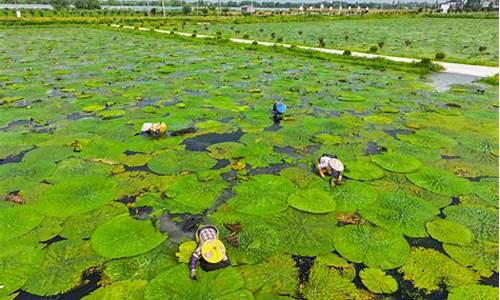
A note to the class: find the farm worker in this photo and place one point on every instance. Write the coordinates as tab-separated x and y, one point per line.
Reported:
279	108
332	166
154	129
210	252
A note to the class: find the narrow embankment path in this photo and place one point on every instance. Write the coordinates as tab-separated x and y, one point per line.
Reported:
472	70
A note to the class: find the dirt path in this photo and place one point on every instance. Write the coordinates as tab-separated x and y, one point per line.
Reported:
472	70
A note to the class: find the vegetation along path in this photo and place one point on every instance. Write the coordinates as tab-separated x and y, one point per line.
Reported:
465	69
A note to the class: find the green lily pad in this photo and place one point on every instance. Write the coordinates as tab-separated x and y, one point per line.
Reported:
376	281
386	250
123	236
327	282
186	249
19	260
397	163
74	196
223	284
428	139
112	114
145	266
190	195
126	289
81	226
400	213
262	194
449	232
353	195
17	220
480	256
473	292
62	268
275	276
312	201
440	182
172	162
363	170
93	108
427	269
481	221
351	98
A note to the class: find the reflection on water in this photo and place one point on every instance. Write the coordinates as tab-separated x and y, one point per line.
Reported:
443	81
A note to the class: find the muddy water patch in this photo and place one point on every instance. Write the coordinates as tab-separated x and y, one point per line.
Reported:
444	81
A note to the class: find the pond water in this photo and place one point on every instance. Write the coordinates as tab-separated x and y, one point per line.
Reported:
442	81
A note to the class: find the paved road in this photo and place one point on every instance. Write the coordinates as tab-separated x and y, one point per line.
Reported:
472	70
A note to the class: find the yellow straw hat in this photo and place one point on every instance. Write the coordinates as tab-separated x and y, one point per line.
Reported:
213	251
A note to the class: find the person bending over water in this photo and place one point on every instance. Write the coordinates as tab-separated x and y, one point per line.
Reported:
330	165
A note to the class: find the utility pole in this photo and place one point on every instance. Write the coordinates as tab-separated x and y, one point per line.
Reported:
163	9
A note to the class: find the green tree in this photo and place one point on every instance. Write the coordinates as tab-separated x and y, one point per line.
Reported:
59	4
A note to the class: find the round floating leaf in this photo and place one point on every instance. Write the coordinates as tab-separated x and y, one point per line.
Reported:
400	213
19	259
186	249
276	276
17	220
449	232
93	108
126	289
75	196
376	281
62	268
223	284
262	194
124	236
300	177
372	246
481	221
363	170
173	162
427	269
353	195
481	256
428	139
190	195
397	163
145	266
81	226
440	182
473	292
351	98
112	114
332	282
313	201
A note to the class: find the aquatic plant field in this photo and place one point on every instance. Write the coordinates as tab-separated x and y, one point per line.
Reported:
91	208
459	39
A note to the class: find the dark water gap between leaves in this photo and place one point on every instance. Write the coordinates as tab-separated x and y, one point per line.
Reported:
53	240
407	291
394	132
303	265
16	158
491	281
374	148
90	282
202	142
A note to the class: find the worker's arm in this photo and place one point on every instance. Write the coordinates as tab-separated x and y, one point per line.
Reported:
320	171
193	262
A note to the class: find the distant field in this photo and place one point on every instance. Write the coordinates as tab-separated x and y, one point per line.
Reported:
458	38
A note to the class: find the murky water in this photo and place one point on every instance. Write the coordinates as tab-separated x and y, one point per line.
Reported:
443	81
